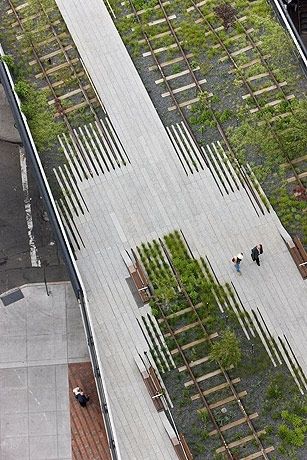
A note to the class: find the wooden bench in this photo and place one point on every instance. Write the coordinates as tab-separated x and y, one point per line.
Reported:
152	383
299	255
139	280
137	275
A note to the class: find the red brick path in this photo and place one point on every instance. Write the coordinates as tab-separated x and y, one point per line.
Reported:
88	435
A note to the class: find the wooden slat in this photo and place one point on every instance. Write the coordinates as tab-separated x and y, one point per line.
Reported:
194	363
180	312
293	179
184	88
187	103
160	21
50	55
78	106
205	377
249	64
259	454
265	90
214	389
222	402
228	426
56	68
175	75
239	442
273	103
193	344
60	82
185	328
70	94
173	61
160	50
140	12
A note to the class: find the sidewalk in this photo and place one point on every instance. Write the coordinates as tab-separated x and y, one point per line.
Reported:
39	336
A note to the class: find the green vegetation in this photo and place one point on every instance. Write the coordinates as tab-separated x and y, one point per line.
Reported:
290	413
187	293
40	116
268	138
227	350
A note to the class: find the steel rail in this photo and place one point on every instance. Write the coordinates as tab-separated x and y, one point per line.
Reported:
243	177
225	373
215	118
174	99
89	104
193	378
61	110
248	86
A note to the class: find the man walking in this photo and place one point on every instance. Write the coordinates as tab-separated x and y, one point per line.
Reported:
237	260
256	251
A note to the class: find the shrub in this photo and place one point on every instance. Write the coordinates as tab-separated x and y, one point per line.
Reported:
40	117
227	350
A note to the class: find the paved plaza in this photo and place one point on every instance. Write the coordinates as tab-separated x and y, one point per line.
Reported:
39	336
146	199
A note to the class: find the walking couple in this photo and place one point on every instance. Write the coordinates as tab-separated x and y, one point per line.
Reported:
255	253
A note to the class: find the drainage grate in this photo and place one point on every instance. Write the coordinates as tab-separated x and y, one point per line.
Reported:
12	297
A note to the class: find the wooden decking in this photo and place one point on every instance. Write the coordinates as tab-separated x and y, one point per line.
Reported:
299	256
88	435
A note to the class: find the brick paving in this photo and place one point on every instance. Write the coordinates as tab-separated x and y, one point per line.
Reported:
88	435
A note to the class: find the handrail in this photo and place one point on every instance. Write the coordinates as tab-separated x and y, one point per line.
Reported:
285	17
63	242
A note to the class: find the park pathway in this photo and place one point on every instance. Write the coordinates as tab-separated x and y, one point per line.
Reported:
148	197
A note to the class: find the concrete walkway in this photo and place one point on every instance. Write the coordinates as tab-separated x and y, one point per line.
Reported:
39	336
144	200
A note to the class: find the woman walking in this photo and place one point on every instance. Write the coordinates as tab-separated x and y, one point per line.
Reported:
237	260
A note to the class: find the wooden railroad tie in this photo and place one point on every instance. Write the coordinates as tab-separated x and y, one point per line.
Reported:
214	389
56	68
173	61
50	55
194	363
186	103
180	313
258	454
196	342
222	402
239	442
205	377
228	426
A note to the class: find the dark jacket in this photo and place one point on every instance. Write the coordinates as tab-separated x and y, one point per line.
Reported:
82	399
256	252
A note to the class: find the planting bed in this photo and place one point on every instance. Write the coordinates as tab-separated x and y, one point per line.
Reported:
71	128
225	70
236	393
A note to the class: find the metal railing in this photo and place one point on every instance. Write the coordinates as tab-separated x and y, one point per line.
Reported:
63	243
284	17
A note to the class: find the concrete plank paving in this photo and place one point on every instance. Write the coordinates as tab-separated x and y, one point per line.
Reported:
144	200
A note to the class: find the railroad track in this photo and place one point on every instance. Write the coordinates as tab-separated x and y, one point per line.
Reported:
41	30
268	84
210	397
183	97
263	89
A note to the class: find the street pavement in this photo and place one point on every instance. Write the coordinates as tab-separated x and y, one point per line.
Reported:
39	336
26	239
